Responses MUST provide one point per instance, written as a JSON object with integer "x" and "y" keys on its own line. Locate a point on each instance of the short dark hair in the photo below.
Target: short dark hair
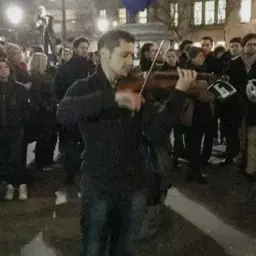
{"x": 184, "y": 43}
{"x": 78, "y": 41}
{"x": 236, "y": 40}
{"x": 111, "y": 39}
{"x": 248, "y": 37}
{"x": 218, "y": 49}
{"x": 208, "y": 38}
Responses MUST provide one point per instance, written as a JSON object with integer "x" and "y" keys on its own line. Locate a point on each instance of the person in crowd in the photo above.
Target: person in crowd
{"x": 147, "y": 55}
{"x": 242, "y": 69}
{"x": 212, "y": 65}
{"x": 78, "y": 67}
{"x": 15, "y": 111}
{"x": 184, "y": 45}
{"x": 15, "y": 57}
{"x": 96, "y": 58}
{"x": 170, "y": 60}
{"x": 114, "y": 184}
{"x": 218, "y": 51}
{"x": 235, "y": 49}
{"x": 44, "y": 102}
{"x": 66, "y": 54}
{"x": 201, "y": 122}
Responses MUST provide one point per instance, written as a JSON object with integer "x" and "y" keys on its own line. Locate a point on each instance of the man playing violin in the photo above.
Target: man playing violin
{"x": 112, "y": 123}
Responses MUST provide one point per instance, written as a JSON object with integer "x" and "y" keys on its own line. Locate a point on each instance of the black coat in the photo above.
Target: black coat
{"x": 67, "y": 73}
{"x": 213, "y": 64}
{"x": 239, "y": 79}
{"x": 113, "y": 136}
{"x": 44, "y": 105}
{"x": 16, "y": 105}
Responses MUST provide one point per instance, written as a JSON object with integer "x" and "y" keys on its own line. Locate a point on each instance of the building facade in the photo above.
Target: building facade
{"x": 168, "y": 19}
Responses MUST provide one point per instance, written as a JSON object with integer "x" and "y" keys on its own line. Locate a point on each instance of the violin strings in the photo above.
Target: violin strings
{"x": 152, "y": 66}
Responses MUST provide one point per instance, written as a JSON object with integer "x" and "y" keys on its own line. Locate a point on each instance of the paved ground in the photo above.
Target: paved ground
{"x": 32, "y": 229}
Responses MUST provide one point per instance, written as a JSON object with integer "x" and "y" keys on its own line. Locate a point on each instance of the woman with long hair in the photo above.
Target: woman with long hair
{"x": 44, "y": 110}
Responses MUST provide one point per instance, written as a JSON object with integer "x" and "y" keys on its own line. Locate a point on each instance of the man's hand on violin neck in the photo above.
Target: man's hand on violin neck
{"x": 130, "y": 100}
{"x": 186, "y": 79}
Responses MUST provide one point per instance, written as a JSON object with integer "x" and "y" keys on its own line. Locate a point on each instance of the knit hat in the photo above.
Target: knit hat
{"x": 193, "y": 51}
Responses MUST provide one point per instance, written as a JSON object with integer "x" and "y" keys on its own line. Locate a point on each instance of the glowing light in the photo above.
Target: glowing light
{"x": 115, "y": 23}
{"x": 14, "y": 14}
{"x": 103, "y": 24}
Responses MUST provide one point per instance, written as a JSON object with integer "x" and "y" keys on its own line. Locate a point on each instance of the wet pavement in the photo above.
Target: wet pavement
{"x": 214, "y": 220}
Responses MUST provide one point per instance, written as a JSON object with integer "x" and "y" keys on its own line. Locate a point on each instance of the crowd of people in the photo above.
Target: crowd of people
{"x": 32, "y": 91}
{"x": 43, "y": 86}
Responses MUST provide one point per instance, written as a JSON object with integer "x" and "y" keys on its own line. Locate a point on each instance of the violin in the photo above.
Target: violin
{"x": 165, "y": 81}
{"x": 206, "y": 87}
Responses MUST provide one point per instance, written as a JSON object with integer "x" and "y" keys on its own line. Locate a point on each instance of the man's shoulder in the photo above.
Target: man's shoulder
{"x": 86, "y": 85}
{"x": 236, "y": 59}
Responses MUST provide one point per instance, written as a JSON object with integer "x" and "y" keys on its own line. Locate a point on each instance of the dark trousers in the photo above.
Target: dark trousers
{"x": 232, "y": 117}
{"x": 73, "y": 150}
{"x": 44, "y": 151}
{"x": 208, "y": 132}
{"x": 202, "y": 125}
{"x": 115, "y": 218}
{"x": 11, "y": 166}
{"x": 179, "y": 141}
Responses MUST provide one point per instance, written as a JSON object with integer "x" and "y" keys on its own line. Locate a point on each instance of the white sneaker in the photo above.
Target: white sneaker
{"x": 10, "y": 192}
{"x": 23, "y": 192}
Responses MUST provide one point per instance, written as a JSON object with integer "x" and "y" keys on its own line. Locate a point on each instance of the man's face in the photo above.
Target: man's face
{"x": 171, "y": 58}
{"x": 82, "y": 50}
{"x": 4, "y": 70}
{"x": 121, "y": 58}
{"x": 66, "y": 54}
{"x": 235, "y": 49}
{"x": 207, "y": 46}
{"x": 250, "y": 47}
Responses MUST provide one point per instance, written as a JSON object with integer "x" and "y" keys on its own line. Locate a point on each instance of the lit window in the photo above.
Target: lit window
{"x": 122, "y": 16}
{"x": 198, "y": 8}
{"x": 174, "y": 13}
{"x": 142, "y": 17}
{"x": 209, "y": 12}
{"x": 103, "y": 13}
{"x": 221, "y": 11}
{"x": 246, "y": 10}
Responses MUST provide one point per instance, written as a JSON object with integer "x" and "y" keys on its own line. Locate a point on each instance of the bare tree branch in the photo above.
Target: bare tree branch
{"x": 171, "y": 17}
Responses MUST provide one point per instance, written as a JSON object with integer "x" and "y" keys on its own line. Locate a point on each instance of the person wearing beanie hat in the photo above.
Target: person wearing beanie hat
{"x": 14, "y": 113}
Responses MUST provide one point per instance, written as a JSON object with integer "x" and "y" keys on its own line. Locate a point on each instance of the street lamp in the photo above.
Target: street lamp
{"x": 103, "y": 24}
{"x": 14, "y": 14}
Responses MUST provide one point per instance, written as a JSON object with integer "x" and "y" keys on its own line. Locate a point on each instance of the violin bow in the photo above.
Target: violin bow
{"x": 151, "y": 67}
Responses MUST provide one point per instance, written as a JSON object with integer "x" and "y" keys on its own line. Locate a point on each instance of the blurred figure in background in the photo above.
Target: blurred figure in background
{"x": 15, "y": 111}
{"x": 44, "y": 102}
